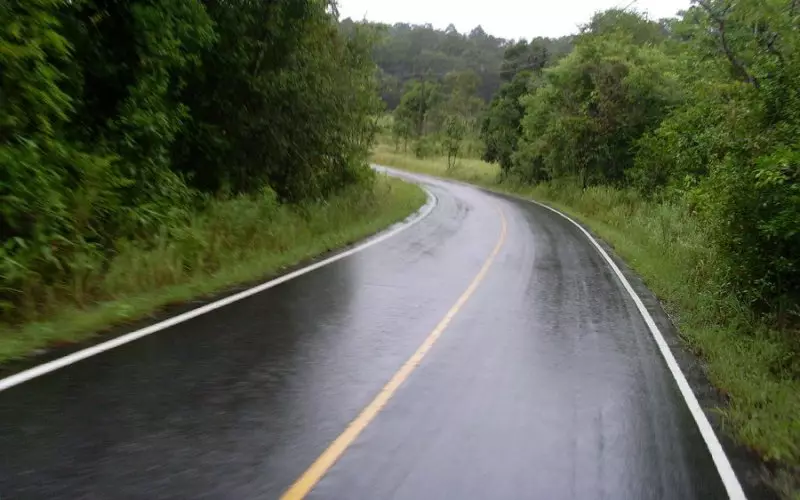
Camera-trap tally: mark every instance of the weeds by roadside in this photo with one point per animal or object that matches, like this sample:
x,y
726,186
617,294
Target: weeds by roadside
x,y
232,241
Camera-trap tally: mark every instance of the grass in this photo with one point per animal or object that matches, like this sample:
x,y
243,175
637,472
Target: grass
x,y
466,169
233,242
744,358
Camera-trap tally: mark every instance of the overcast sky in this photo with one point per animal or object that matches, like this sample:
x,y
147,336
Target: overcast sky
x,y
502,18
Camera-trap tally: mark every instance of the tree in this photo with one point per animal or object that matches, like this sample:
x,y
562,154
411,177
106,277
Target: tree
x,y
454,132
632,25
501,127
417,106
522,67
596,104
522,56
402,128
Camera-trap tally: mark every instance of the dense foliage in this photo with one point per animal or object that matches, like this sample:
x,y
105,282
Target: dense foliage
x,y
119,118
438,117
501,127
414,52
437,84
702,110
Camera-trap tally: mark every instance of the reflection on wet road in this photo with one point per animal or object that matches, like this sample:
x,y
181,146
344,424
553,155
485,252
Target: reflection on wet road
x,y
544,384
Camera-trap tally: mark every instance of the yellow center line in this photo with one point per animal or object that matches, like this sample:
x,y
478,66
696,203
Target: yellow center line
x,y
324,462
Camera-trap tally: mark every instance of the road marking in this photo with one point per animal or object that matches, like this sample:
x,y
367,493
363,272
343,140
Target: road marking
x,y
75,357
306,482
726,473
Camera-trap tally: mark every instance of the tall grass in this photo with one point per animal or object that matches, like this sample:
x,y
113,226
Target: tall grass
x,y
230,242
756,367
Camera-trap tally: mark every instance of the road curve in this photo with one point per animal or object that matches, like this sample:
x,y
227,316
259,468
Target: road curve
x,y
544,382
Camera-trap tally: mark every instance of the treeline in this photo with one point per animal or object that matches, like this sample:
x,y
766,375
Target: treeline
x,y
119,119
437,118
407,52
701,111
444,115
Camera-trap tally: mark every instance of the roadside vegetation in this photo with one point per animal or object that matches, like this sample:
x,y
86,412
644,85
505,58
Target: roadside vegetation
x,y
155,151
230,242
676,142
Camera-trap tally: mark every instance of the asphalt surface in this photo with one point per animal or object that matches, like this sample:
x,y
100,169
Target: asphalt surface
x,y
546,384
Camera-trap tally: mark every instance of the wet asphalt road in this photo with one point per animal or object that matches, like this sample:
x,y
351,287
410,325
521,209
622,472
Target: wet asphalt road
x,y
545,385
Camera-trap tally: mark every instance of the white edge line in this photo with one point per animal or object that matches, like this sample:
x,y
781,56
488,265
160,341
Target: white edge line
x,y
56,364
728,476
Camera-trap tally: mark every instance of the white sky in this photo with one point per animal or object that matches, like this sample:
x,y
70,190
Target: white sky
x,y
502,18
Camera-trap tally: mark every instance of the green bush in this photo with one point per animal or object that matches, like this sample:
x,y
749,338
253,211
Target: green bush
x,y
593,106
755,214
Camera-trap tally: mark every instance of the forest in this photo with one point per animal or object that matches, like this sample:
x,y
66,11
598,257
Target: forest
x,y
140,139
677,141
406,52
